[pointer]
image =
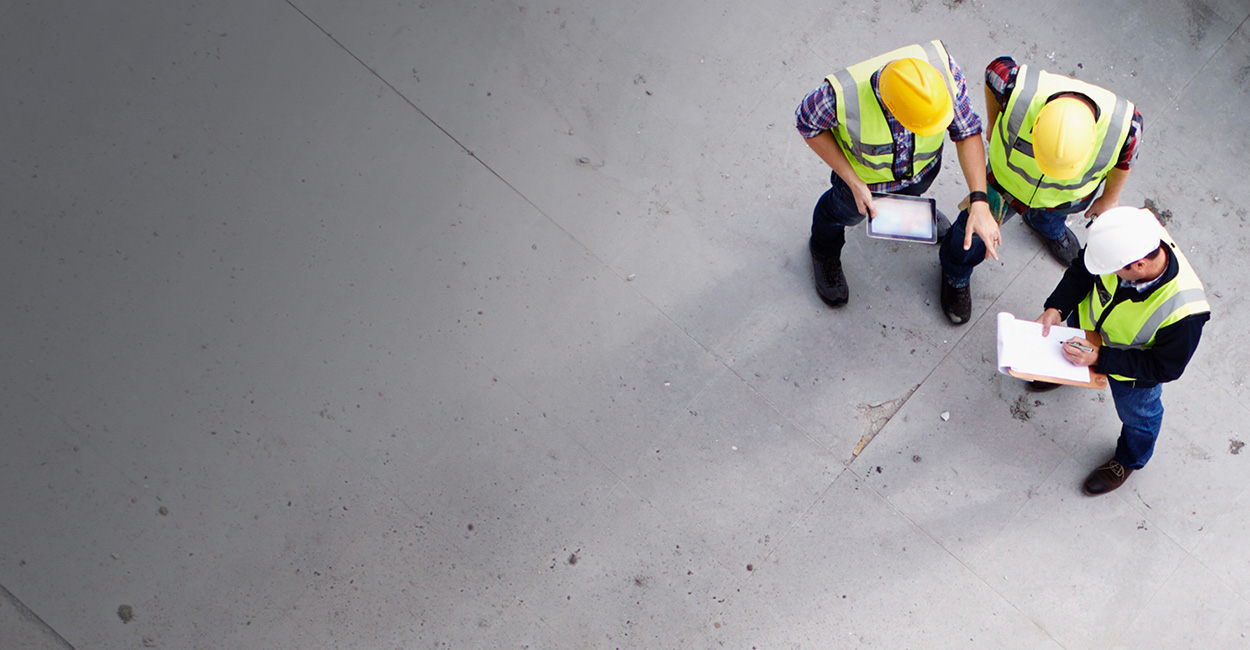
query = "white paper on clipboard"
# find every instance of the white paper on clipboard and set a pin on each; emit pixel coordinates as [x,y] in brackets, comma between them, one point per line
[1021,347]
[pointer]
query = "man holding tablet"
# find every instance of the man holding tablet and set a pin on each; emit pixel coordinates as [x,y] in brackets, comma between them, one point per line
[879,126]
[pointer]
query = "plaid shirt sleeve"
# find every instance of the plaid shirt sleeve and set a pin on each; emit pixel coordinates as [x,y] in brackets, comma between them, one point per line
[966,122]
[817,112]
[1000,78]
[1128,153]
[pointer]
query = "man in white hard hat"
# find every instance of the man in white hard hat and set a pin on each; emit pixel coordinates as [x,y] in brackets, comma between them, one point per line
[1132,285]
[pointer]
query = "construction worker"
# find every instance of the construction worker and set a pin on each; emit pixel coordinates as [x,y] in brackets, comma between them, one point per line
[1058,140]
[878,125]
[1133,286]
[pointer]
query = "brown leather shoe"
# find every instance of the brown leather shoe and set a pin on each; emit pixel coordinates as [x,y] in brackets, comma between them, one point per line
[1106,478]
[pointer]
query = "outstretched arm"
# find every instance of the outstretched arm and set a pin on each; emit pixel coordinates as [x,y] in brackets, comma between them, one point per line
[980,221]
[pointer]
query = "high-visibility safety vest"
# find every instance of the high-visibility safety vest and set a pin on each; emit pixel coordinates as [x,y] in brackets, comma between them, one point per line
[1132,325]
[1011,142]
[863,132]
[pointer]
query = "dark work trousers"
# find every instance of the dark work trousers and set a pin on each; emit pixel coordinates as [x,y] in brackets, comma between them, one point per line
[957,263]
[836,210]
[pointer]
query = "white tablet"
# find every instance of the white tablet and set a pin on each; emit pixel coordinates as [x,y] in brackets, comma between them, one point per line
[904,218]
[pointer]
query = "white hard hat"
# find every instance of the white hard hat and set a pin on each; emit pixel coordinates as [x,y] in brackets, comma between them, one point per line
[1120,236]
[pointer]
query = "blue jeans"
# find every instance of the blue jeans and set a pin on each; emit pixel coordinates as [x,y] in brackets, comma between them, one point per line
[1141,416]
[957,263]
[835,210]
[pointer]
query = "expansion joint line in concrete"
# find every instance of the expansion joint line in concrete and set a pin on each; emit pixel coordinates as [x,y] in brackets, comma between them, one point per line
[436,125]
[1185,86]
[24,612]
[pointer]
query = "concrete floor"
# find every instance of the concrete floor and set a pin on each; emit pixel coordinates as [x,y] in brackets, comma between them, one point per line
[480,324]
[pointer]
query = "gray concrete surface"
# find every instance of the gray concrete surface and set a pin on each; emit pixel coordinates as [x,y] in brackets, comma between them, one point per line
[22,628]
[483,324]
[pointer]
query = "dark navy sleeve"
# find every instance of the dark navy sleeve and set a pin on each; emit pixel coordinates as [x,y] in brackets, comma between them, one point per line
[1075,284]
[1164,361]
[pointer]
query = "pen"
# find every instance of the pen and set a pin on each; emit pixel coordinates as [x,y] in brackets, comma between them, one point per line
[1083,348]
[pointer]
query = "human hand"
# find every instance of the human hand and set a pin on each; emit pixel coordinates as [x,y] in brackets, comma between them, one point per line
[863,199]
[1099,206]
[1049,317]
[1079,352]
[981,223]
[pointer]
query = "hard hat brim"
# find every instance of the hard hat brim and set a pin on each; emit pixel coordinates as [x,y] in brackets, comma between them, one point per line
[1121,236]
[935,127]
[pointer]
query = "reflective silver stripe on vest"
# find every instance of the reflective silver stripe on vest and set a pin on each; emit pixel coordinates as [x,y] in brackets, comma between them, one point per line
[1110,141]
[850,97]
[1165,309]
[1160,314]
[1016,124]
[943,66]
[854,112]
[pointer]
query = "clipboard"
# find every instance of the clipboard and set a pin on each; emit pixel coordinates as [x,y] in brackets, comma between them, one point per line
[1020,344]
[1096,379]
[904,218]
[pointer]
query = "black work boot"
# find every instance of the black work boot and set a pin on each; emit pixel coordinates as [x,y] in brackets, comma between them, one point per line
[827,269]
[830,282]
[1065,248]
[956,303]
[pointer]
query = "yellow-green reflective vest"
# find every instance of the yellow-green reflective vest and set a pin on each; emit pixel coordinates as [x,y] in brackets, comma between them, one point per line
[863,132]
[1011,142]
[1133,325]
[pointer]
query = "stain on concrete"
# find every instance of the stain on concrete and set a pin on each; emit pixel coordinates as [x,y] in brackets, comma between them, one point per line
[1021,409]
[1201,18]
[1234,446]
[1164,215]
[876,416]
[126,613]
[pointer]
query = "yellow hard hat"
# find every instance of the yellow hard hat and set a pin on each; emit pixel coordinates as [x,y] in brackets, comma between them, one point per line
[1063,137]
[916,95]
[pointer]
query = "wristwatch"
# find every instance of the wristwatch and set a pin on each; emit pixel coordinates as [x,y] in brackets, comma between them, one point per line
[978,195]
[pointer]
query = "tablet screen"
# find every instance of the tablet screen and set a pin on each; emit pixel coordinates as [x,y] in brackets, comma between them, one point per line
[904,218]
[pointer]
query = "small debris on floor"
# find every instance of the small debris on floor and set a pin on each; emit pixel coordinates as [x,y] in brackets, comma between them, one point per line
[1020,409]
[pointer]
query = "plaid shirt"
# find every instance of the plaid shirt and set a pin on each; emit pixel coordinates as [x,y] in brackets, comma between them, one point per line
[818,112]
[1000,78]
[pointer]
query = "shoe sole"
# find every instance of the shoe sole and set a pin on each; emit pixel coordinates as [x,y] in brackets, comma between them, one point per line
[831,303]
